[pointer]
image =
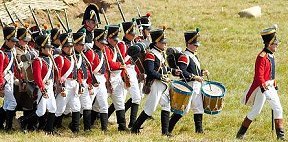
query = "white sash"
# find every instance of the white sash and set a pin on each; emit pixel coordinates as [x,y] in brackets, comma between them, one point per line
[158,55]
[115,55]
[99,65]
[64,77]
[194,58]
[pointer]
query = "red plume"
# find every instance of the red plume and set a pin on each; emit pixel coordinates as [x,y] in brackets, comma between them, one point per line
[148,14]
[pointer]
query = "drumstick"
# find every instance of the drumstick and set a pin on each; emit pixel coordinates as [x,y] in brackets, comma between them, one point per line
[209,82]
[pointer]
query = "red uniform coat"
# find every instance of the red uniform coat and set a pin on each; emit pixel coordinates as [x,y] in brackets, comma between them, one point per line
[2,59]
[262,73]
[40,70]
[63,64]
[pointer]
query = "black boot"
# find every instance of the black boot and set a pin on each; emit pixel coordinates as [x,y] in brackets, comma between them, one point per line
[140,120]
[104,121]
[74,125]
[2,118]
[9,119]
[174,119]
[87,120]
[120,114]
[128,104]
[50,123]
[245,125]
[42,122]
[133,114]
[198,123]
[165,116]
[279,129]
[58,122]
[29,124]
[111,109]
[94,115]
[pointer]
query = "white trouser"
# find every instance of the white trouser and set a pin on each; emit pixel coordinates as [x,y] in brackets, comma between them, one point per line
[158,91]
[46,103]
[100,95]
[196,101]
[85,99]
[272,98]
[134,90]
[9,99]
[141,84]
[117,95]
[72,98]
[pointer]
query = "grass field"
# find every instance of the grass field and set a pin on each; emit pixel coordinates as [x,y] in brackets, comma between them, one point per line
[229,48]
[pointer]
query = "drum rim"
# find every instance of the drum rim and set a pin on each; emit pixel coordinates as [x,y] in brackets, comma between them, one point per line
[184,84]
[216,83]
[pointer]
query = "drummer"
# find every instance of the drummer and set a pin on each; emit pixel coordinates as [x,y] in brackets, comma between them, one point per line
[264,86]
[157,79]
[190,66]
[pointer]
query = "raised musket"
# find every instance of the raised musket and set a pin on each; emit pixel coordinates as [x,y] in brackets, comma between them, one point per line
[35,20]
[121,11]
[105,17]
[50,19]
[61,22]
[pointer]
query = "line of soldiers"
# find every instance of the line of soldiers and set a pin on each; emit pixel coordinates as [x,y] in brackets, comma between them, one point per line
[75,72]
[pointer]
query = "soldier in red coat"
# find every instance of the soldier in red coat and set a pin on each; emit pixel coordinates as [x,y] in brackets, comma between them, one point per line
[43,73]
[264,86]
[9,105]
[116,66]
[97,58]
[66,63]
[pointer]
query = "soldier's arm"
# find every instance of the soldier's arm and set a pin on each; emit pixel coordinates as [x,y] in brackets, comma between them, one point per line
[113,65]
[260,70]
[1,68]
[183,63]
[59,63]
[149,67]
[37,74]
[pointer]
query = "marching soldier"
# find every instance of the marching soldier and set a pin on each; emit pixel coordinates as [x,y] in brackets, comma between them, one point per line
[9,106]
[83,71]
[190,66]
[43,73]
[71,90]
[264,86]
[144,26]
[90,19]
[134,101]
[117,83]
[97,58]
[156,81]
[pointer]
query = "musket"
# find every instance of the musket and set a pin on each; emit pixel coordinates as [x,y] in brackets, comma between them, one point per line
[2,25]
[22,23]
[105,17]
[61,22]
[67,23]
[138,11]
[50,20]
[94,80]
[35,20]
[9,13]
[120,9]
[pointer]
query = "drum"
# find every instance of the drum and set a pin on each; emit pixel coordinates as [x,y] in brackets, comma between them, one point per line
[213,94]
[28,73]
[180,94]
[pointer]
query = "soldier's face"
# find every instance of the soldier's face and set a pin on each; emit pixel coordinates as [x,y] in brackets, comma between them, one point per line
[22,42]
[192,47]
[47,51]
[68,50]
[273,47]
[79,47]
[90,25]
[10,43]
[146,32]
[161,45]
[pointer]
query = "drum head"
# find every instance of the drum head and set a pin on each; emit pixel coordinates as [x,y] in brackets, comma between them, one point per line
[217,89]
[182,88]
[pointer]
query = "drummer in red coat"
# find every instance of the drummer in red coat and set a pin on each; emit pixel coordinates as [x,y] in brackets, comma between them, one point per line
[264,86]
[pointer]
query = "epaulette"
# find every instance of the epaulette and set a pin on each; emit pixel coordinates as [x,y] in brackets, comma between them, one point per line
[183,59]
[150,56]
[262,54]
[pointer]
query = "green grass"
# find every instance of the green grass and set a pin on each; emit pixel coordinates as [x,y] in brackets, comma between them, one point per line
[229,48]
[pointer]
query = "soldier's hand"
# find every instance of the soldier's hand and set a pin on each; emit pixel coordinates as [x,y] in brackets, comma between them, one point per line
[24,85]
[165,79]
[198,78]
[90,89]
[63,92]
[45,94]
[178,72]
[205,73]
